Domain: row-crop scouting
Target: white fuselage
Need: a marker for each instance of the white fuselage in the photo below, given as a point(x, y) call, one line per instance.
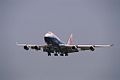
point(52, 39)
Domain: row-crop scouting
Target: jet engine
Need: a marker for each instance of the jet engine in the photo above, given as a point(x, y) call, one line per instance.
point(26, 47)
point(35, 47)
point(92, 48)
point(73, 47)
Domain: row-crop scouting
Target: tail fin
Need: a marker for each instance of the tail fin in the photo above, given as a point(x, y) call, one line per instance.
point(70, 40)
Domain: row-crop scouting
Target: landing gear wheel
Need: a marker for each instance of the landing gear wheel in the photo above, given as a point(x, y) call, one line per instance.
point(66, 54)
point(49, 54)
point(55, 54)
point(61, 54)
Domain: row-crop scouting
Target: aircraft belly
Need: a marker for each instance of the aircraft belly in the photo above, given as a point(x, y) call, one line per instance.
point(68, 50)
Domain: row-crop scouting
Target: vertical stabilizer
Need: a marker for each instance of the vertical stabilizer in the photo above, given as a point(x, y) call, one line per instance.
point(70, 40)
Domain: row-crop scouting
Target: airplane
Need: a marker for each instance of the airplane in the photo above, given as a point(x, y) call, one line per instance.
point(57, 47)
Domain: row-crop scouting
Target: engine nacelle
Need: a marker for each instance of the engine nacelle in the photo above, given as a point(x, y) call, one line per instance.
point(92, 48)
point(73, 47)
point(35, 47)
point(26, 47)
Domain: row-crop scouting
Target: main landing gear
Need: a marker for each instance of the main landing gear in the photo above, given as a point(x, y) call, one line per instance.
point(49, 54)
point(61, 54)
point(65, 54)
point(56, 54)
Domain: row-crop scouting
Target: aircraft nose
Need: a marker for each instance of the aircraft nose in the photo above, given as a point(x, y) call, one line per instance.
point(49, 34)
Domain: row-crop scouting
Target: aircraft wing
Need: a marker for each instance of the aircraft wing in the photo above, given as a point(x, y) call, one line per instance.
point(32, 46)
point(62, 47)
point(83, 47)
point(92, 47)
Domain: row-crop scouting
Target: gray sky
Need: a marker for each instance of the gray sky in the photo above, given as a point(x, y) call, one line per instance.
point(90, 21)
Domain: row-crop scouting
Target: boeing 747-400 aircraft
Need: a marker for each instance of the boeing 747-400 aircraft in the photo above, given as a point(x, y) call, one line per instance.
point(57, 47)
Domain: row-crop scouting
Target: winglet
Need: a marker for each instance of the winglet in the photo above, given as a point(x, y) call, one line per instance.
point(70, 40)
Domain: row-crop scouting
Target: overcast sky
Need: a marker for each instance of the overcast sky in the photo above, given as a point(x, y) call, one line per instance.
point(90, 21)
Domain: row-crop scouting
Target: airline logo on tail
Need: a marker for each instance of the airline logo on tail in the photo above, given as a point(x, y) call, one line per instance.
point(70, 40)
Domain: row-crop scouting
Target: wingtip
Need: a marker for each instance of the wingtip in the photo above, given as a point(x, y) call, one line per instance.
point(16, 43)
point(112, 45)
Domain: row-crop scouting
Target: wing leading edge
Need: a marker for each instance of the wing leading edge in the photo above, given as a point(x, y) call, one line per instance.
point(92, 47)
point(32, 46)
point(62, 48)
